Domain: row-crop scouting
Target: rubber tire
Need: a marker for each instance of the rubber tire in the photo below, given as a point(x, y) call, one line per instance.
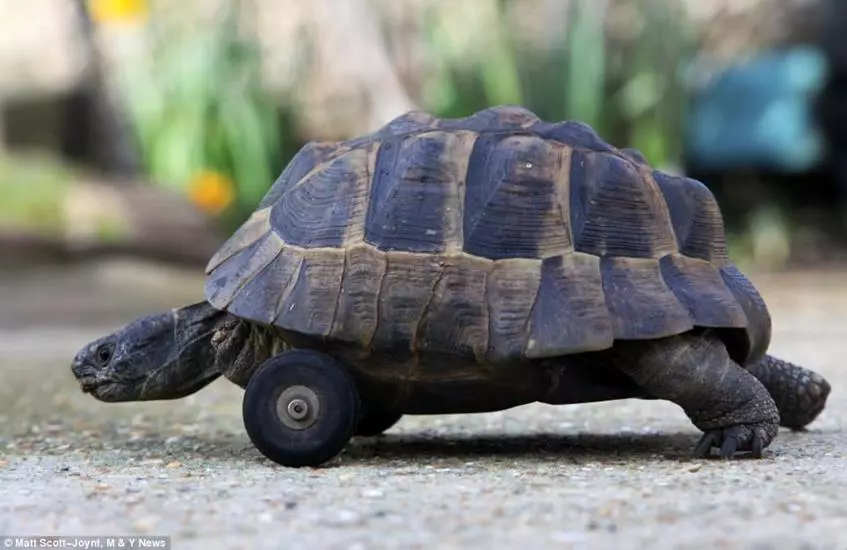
point(375, 421)
point(337, 419)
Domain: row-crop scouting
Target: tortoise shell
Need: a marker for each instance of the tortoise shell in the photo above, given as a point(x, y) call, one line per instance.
point(497, 236)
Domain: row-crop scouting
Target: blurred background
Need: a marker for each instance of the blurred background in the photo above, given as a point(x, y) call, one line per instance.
point(135, 135)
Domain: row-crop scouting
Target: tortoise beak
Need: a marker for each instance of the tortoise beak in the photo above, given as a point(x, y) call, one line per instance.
point(84, 373)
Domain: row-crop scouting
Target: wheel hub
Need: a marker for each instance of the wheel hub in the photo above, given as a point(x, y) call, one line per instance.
point(298, 407)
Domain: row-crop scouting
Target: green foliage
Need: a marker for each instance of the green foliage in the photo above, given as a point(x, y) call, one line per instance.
point(32, 190)
point(631, 90)
point(585, 65)
point(197, 105)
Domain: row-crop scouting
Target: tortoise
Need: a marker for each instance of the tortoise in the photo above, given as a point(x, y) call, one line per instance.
point(467, 265)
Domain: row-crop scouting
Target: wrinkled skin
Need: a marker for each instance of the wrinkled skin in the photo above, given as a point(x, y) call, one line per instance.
point(156, 357)
point(174, 354)
point(800, 394)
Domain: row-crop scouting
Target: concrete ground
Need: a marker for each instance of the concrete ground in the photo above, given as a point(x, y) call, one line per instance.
point(613, 475)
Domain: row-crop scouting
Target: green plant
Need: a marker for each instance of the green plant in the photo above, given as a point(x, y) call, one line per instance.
point(201, 118)
point(33, 188)
point(631, 89)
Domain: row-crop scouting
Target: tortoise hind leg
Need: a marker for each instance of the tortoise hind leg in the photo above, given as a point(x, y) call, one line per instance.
point(800, 394)
point(728, 403)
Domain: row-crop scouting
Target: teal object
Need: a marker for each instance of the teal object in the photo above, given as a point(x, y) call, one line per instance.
point(759, 114)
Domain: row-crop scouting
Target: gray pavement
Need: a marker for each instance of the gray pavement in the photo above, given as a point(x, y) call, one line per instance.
point(612, 475)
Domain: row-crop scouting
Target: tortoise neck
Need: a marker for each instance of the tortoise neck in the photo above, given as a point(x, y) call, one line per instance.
point(242, 346)
point(189, 362)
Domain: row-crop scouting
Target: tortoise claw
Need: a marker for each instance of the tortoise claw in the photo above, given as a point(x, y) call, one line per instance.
point(746, 439)
point(758, 443)
point(728, 448)
point(704, 447)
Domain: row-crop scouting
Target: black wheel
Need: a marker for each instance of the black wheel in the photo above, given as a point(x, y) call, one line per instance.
point(300, 408)
point(374, 420)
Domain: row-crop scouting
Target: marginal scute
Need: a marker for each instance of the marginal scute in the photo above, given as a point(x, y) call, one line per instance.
point(327, 206)
point(699, 286)
point(265, 293)
point(416, 197)
point(570, 313)
point(759, 326)
point(256, 227)
point(455, 319)
point(405, 291)
point(512, 288)
point(515, 197)
point(228, 278)
point(310, 307)
point(615, 211)
point(640, 303)
point(358, 304)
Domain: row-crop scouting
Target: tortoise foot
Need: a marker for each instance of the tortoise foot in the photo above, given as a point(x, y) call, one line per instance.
point(810, 402)
point(799, 393)
point(746, 438)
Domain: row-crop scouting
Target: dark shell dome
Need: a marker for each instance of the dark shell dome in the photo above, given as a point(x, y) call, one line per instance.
point(497, 236)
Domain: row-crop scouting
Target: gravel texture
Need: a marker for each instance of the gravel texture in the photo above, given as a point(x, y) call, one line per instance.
point(612, 475)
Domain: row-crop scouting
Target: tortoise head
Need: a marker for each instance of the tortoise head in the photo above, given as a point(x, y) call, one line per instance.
point(162, 356)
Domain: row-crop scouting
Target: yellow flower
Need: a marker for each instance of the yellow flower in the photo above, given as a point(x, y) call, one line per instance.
point(211, 191)
point(111, 11)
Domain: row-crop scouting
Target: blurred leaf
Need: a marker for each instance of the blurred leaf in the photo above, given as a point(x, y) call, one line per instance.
point(643, 92)
point(198, 107)
point(586, 66)
point(649, 137)
point(499, 71)
point(177, 152)
point(33, 189)
point(244, 131)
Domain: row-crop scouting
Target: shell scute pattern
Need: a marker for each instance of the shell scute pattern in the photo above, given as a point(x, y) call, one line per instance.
point(497, 236)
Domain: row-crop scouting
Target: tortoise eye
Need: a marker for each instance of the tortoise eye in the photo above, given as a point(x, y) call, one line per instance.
point(104, 354)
